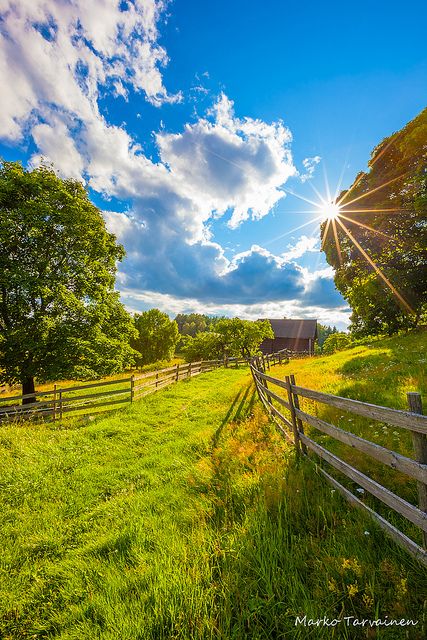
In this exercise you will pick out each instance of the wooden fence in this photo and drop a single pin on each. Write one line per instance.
(411, 420)
(84, 398)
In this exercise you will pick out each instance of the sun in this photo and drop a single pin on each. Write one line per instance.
(330, 211)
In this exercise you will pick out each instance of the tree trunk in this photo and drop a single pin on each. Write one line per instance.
(28, 387)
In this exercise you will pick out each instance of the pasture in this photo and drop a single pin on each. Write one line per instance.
(185, 515)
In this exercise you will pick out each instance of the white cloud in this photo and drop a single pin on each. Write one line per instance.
(137, 301)
(304, 245)
(309, 165)
(55, 56)
(230, 163)
(54, 142)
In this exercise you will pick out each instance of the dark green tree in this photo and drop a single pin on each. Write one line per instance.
(157, 337)
(243, 337)
(323, 331)
(190, 324)
(206, 345)
(59, 314)
(390, 199)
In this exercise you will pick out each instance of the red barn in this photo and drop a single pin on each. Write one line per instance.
(295, 335)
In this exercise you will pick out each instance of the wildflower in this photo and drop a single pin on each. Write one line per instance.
(402, 588)
(360, 490)
(332, 586)
(346, 564)
(368, 601)
(366, 533)
(353, 589)
(395, 433)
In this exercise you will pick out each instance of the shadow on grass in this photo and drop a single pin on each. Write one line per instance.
(243, 410)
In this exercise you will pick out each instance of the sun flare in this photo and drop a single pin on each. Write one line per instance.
(330, 211)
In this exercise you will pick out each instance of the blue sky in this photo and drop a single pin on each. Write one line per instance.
(199, 126)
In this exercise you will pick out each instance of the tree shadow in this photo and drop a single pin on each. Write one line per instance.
(243, 410)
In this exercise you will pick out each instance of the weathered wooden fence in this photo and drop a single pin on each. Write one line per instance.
(84, 398)
(411, 420)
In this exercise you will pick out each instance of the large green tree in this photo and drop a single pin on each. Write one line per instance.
(60, 316)
(231, 337)
(390, 199)
(157, 336)
(243, 337)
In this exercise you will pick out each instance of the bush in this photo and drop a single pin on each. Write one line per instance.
(336, 342)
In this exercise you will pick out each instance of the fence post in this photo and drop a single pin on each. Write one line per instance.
(157, 379)
(177, 373)
(189, 370)
(132, 388)
(295, 429)
(54, 402)
(60, 404)
(419, 441)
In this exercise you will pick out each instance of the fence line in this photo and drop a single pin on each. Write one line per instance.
(412, 420)
(54, 402)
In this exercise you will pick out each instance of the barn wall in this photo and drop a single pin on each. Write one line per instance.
(270, 345)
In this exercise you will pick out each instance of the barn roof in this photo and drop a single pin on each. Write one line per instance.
(284, 328)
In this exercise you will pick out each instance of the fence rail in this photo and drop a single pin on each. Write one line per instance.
(54, 402)
(412, 420)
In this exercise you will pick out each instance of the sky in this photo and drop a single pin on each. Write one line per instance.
(202, 128)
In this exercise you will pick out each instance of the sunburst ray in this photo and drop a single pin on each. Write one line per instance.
(376, 268)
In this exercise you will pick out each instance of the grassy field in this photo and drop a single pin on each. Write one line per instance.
(186, 516)
(381, 373)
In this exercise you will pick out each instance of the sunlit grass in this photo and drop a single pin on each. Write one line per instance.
(184, 516)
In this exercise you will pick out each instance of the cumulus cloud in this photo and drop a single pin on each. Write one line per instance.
(57, 56)
(230, 163)
(201, 271)
(309, 165)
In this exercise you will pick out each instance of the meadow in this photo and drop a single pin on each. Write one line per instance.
(185, 515)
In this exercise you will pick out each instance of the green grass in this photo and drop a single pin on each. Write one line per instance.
(186, 516)
(380, 373)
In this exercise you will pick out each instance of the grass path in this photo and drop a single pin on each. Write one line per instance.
(185, 517)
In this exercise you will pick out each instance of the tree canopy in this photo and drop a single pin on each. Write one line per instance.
(231, 337)
(390, 200)
(59, 313)
(157, 337)
(190, 324)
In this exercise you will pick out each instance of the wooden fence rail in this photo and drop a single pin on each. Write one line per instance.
(412, 420)
(54, 402)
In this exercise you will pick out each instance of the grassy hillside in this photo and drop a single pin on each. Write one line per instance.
(381, 373)
(186, 516)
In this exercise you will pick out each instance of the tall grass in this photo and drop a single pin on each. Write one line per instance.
(186, 516)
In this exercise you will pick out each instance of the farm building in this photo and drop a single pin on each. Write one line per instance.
(295, 335)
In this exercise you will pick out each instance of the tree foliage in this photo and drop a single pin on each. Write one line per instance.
(336, 342)
(59, 314)
(190, 324)
(157, 337)
(204, 346)
(323, 332)
(232, 337)
(396, 183)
